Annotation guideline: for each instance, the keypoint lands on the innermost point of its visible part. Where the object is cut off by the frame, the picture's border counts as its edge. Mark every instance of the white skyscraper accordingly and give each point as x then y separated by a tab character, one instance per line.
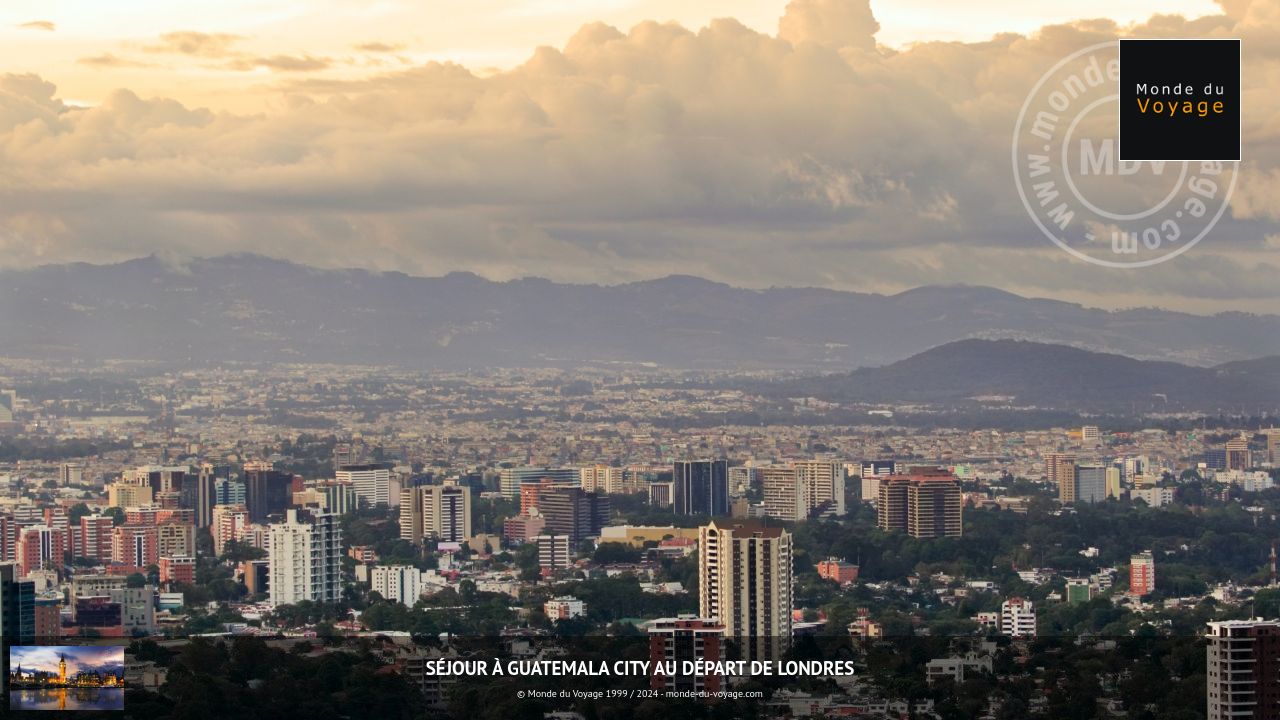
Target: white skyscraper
442	512
745	578
305	559
372	482
601	478
401	583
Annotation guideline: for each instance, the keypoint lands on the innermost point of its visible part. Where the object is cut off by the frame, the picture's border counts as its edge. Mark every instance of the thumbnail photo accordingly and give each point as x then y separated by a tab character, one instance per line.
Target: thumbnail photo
66	677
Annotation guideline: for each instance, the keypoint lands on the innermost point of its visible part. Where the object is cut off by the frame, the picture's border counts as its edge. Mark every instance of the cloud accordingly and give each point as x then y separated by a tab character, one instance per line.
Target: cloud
44	25
809	157
108	60
379	47
832	23
188	42
283	63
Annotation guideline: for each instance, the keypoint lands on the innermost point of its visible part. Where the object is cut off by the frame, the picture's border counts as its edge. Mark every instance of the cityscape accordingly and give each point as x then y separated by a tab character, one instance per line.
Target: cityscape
634	359
308	507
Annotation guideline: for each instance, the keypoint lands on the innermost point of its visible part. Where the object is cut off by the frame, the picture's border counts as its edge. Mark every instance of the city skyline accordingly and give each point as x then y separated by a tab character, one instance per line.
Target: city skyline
807	144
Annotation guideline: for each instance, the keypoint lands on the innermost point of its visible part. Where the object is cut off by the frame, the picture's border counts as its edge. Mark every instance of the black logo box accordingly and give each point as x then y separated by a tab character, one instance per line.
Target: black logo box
1184	63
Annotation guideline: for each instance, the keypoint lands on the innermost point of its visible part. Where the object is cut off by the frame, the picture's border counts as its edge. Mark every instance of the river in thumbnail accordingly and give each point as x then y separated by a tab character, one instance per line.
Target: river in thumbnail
67	699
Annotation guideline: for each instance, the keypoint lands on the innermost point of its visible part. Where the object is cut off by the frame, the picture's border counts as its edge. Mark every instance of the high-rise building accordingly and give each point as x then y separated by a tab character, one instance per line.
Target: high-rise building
268	491
601	478
925	504
123	494
135	546
1091	483
680	640
175	539
742	479
442	512
744	584
1142	574
662	494
17	608
869	474
573	512
802	490
70	474
398	583
230	522
785	494
826	483
554	553
1242	672
1238	454
305	559
207	491
331	496
1018	618
1113	476
1060	472
160	478
701	487
178	569
511	480
371	482
95	537
40	546
1273	445
229	492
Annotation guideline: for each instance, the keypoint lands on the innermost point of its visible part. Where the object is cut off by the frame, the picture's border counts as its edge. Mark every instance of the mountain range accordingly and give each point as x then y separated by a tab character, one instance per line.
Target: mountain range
253	308
993	373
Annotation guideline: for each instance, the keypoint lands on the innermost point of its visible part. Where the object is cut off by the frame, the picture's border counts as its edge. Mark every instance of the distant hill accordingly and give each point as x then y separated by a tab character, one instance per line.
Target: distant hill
976	372
247	307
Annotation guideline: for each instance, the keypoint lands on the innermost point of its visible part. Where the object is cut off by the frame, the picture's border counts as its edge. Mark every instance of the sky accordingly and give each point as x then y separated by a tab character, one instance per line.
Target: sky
833	143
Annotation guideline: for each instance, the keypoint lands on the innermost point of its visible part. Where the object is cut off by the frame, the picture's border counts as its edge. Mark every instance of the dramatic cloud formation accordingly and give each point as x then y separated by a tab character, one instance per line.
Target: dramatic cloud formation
812	157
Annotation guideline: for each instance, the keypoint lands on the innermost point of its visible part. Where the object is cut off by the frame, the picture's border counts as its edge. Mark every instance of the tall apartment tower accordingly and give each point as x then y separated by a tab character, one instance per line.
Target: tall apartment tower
802	490
785	495
685	639
745	576
1242	672
372	482
573	512
442	512
826	481
701	487
305	559
1060	472
601	478
1142	574
926	504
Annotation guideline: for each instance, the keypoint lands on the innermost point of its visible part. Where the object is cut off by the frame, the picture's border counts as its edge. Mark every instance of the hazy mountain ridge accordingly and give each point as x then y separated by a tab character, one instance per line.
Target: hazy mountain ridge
1011	372
246	307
